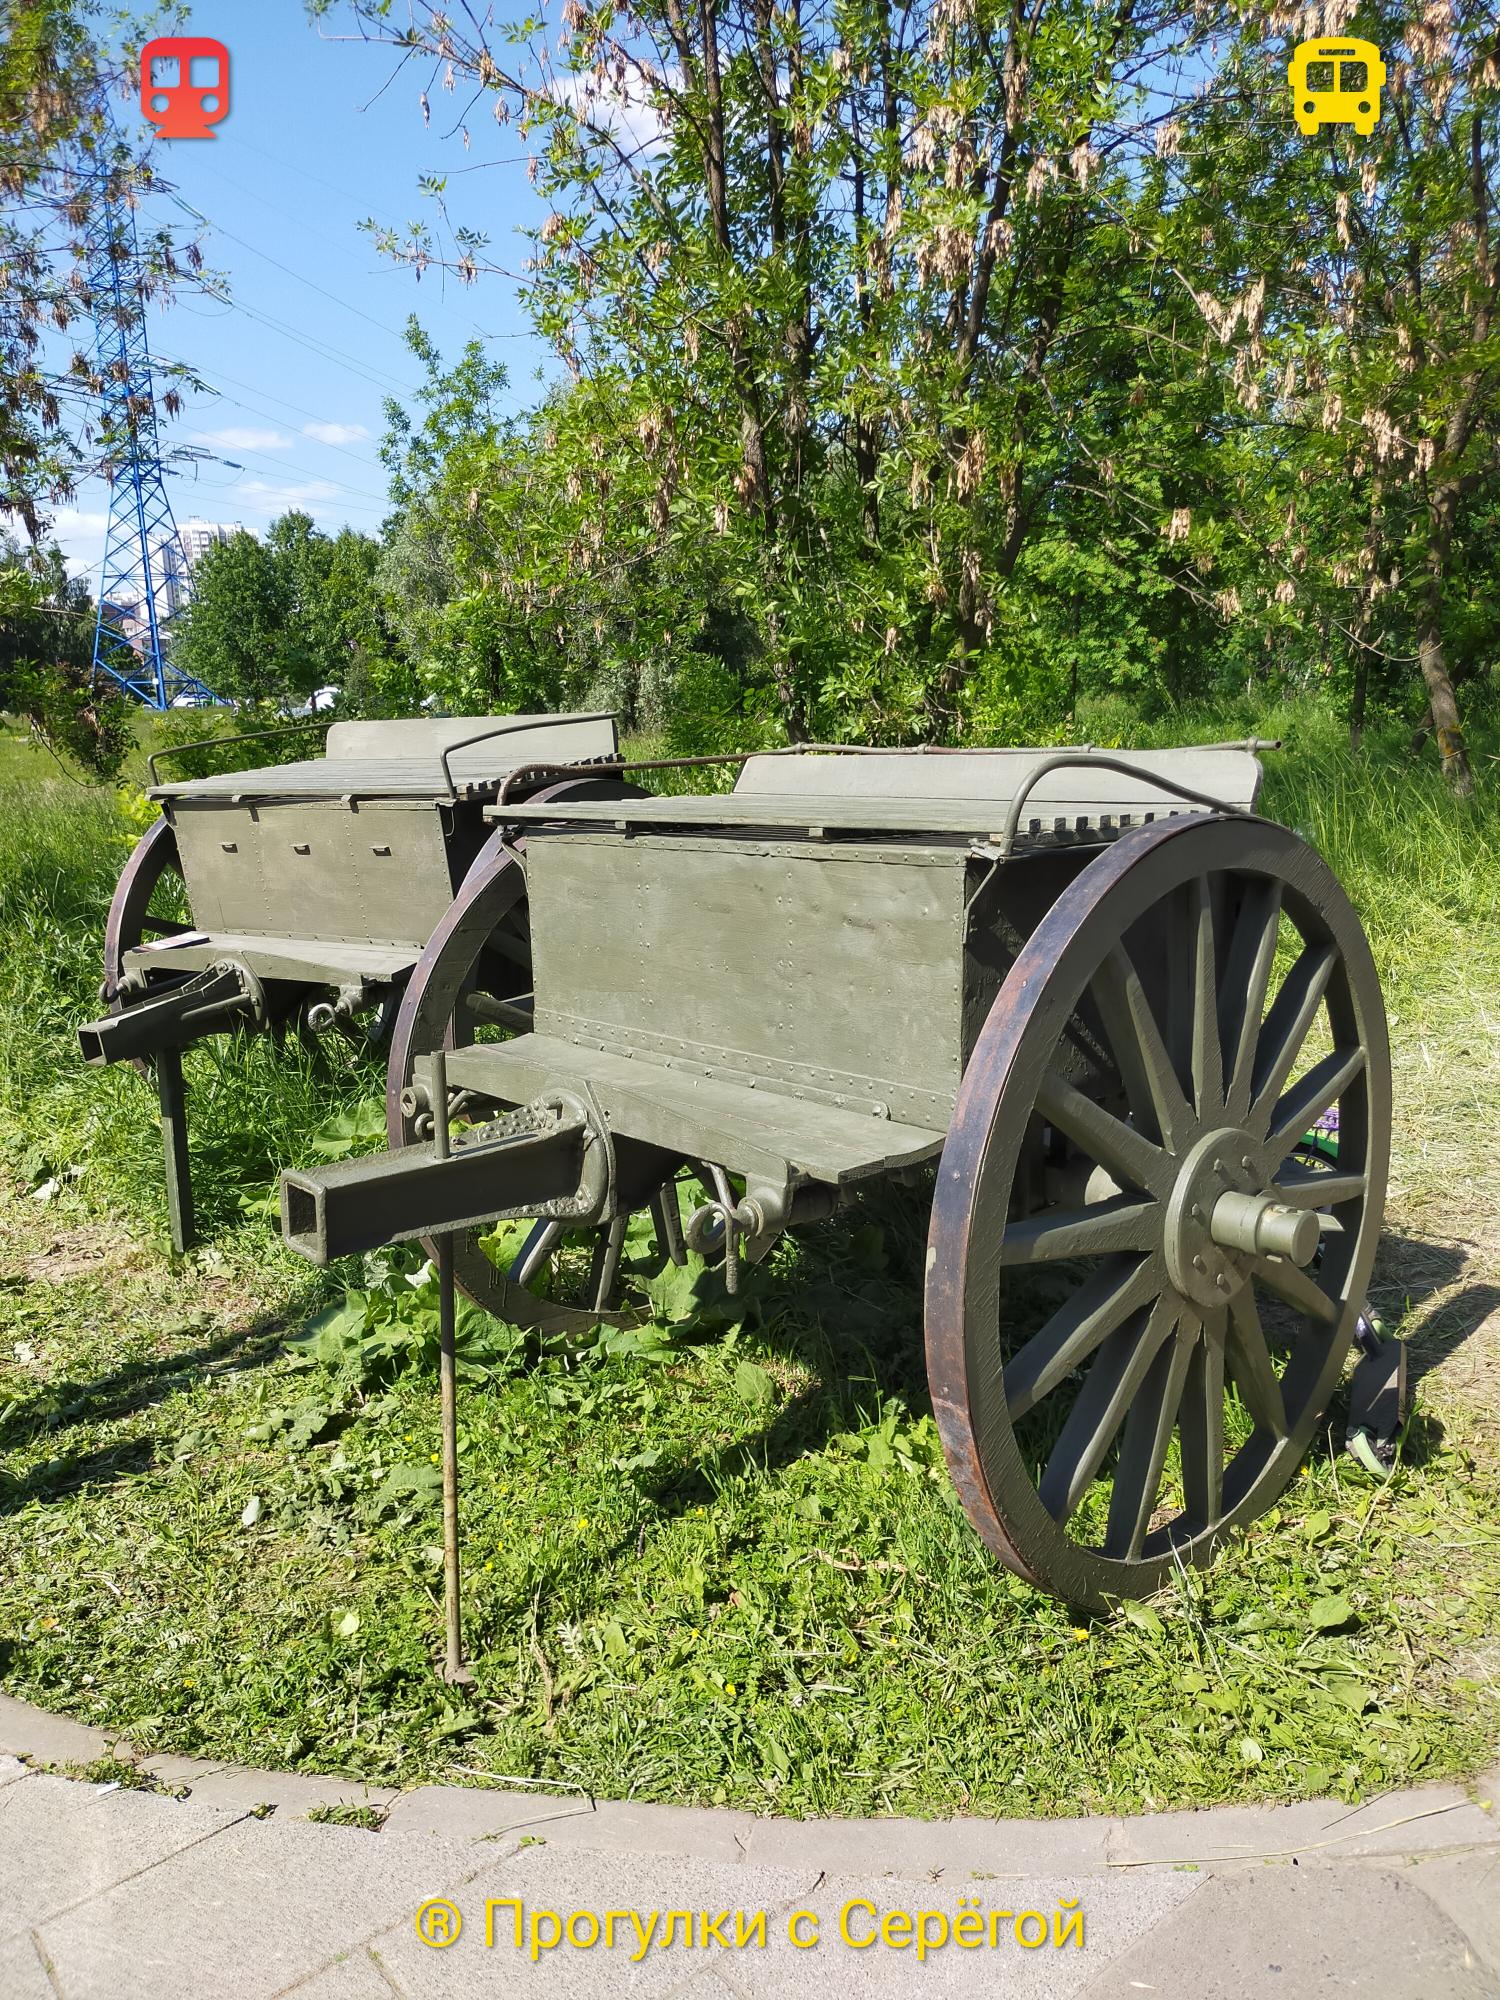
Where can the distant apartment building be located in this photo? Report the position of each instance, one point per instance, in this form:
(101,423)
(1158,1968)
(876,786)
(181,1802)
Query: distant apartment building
(172,566)
(199,536)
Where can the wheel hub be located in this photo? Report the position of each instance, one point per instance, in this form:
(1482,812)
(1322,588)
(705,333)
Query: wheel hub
(1220,1216)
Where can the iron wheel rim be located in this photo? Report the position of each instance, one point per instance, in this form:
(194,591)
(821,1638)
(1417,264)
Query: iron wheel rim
(973,1239)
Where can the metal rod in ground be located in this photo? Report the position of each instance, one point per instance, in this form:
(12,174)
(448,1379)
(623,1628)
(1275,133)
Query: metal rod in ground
(454,1667)
(174,1143)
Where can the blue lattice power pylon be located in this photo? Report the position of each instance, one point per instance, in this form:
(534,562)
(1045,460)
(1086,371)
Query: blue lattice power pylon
(145,576)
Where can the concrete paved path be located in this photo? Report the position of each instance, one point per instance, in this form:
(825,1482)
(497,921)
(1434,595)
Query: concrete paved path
(117,1894)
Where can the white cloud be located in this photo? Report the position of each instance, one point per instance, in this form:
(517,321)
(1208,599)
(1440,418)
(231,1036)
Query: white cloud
(243,437)
(624,107)
(335,433)
(78,532)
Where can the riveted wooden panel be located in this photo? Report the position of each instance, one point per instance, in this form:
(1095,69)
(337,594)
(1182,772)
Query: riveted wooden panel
(837,969)
(316,867)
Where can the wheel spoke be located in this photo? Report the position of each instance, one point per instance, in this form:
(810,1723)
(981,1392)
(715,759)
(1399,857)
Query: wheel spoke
(1247,973)
(1200,1427)
(1296,1288)
(1305,1187)
(1308,1099)
(1110,1387)
(1208,1063)
(534,1252)
(510,944)
(517,1013)
(1147,1069)
(1122,1223)
(1292,1014)
(1143,1450)
(1070,1336)
(1249,1363)
(1105,1138)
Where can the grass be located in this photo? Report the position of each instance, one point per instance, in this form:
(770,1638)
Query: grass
(719,1561)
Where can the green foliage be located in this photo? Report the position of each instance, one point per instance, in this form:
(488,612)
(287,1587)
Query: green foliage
(46,660)
(59,62)
(928,384)
(280,617)
(707,1558)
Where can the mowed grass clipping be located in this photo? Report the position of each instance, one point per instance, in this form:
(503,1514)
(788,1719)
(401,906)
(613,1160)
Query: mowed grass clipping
(719,1559)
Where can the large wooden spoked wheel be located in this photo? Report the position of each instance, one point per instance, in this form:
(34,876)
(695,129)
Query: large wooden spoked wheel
(1125,1375)
(471,984)
(150,901)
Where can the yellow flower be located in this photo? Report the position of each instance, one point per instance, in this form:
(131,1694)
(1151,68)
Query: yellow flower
(730,1689)
(432,1458)
(1079,1633)
(583,1520)
(410,1436)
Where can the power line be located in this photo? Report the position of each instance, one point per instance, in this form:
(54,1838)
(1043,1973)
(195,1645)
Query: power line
(298,409)
(322,290)
(390,386)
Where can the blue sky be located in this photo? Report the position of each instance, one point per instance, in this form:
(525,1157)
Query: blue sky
(311,346)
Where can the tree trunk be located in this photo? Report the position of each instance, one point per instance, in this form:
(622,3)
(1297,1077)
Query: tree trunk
(1441,514)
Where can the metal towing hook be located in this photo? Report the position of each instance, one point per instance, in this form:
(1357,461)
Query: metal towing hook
(735,1230)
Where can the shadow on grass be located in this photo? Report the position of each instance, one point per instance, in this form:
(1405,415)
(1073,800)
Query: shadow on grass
(143,1384)
(860,1337)
(55,1478)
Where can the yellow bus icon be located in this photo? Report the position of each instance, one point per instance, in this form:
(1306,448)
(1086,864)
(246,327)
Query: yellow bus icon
(1336,81)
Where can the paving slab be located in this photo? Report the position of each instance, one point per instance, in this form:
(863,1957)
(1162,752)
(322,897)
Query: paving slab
(241,1787)
(1317,1830)
(356,1977)
(1116,1914)
(50,1739)
(933,1850)
(22,1974)
(62,1842)
(248,1913)
(1466,1888)
(12,1768)
(548,1878)
(708,1985)
(1360,1932)
(607,1826)
(181,1773)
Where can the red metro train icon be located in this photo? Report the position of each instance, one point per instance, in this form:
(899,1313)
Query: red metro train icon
(200,96)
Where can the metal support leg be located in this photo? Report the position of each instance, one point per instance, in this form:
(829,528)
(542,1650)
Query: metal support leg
(605,1269)
(454,1669)
(667,1217)
(174,1140)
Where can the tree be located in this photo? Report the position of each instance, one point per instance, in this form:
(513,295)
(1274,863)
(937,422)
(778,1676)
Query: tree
(274,619)
(817,274)
(46,659)
(59,152)
(1349,289)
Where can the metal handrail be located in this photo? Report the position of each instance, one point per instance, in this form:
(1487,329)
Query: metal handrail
(1087,760)
(249,736)
(1086,754)
(511,727)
